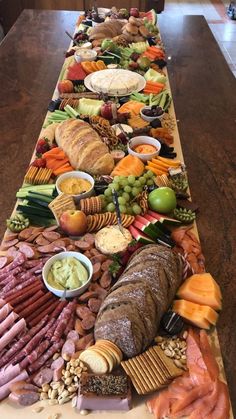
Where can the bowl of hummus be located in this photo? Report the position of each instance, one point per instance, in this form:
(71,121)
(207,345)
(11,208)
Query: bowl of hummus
(78,184)
(70,271)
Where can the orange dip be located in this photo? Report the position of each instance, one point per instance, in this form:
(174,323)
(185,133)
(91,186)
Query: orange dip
(145,149)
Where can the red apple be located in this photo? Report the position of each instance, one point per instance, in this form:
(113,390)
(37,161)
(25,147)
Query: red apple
(65,86)
(109,110)
(134,12)
(73,222)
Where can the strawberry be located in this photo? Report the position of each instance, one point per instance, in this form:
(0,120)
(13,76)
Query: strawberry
(42,146)
(39,163)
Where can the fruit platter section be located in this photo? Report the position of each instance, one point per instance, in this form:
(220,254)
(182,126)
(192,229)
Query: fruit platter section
(106,308)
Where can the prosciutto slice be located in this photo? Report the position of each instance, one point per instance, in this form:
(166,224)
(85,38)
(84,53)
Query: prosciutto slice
(8,373)
(4,311)
(8,322)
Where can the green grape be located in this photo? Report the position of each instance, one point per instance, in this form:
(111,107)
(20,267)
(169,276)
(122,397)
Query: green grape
(109,198)
(124,183)
(136,209)
(115,186)
(108,192)
(129,211)
(127,189)
(142,180)
(110,207)
(135,191)
(121,200)
(121,178)
(137,183)
(122,209)
(149,174)
(131,179)
(116,179)
(150,182)
(126,196)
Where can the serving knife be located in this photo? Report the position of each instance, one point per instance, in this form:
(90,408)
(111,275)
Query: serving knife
(116,203)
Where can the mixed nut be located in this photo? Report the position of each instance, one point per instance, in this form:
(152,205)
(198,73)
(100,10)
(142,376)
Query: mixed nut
(60,392)
(175,348)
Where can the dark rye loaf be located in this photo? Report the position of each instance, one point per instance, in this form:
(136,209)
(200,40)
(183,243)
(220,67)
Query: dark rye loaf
(131,313)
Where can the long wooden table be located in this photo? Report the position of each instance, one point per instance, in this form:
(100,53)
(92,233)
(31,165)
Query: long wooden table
(204,92)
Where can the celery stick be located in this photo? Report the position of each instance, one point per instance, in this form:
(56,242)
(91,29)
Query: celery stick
(71,112)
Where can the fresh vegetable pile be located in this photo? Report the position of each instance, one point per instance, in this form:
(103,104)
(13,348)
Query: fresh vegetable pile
(145,298)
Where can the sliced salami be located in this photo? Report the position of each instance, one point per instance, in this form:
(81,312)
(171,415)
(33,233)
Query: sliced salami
(105,280)
(51,235)
(57,367)
(4,260)
(83,245)
(68,349)
(7,244)
(28,250)
(87,295)
(96,271)
(43,377)
(47,355)
(24,397)
(94,304)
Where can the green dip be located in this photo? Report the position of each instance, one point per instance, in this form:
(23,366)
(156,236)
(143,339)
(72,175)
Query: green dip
(67,273)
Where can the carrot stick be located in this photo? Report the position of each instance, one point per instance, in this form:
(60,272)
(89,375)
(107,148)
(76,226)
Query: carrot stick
(63,169)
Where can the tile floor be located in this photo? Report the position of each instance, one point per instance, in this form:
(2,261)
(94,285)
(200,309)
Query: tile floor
(214,11)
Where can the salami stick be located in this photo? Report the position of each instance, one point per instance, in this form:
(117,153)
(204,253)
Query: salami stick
(19,307)
(47,308)
(58,309)
(35,354)
(21,286)
(17,296)
(19,260)
(47,355)
(63,320)
(30,309)
(22,342)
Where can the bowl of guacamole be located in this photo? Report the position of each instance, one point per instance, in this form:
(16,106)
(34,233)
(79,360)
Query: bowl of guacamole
(67,270)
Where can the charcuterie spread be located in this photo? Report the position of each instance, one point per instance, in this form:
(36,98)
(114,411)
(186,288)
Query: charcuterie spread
(104,294)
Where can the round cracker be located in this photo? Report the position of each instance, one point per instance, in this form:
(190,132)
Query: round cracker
(96,362)
(110,351)
(106,355)
(117,352)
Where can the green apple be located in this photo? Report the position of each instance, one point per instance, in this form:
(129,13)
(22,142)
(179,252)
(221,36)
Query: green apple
(162,200)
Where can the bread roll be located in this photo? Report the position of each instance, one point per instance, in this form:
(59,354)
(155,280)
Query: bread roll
(84,148)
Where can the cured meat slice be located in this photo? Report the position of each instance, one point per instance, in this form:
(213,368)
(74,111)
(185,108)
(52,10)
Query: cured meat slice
(21,286)
(43,377)
(30,309)
(47,355)
(28,250)
(11,285)
(5,389)
(82,311)
(4,260)
(51,235)
(8,373)
(8,322)
(19,307)
(6,244)
(57,367)
(22,342)
(32,343)
(70,325)
(24,397)
(4,311)
(68,349)
(67,312)
(35,354)
(19,260)
(82,342)
(21,294)
(15,330)
(20,385)
(58,309)
(46,310)
(94,304)
(73,335)
(13,272)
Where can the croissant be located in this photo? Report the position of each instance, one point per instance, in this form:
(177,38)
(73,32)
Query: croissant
(84,148)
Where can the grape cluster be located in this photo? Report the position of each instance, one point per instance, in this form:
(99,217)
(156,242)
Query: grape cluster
(127,188)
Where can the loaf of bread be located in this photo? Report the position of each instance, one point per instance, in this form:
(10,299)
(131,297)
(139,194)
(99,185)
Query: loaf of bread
(107,30)
(84,148)
(130,315)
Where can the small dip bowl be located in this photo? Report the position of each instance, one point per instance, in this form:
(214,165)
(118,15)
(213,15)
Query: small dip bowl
(150,118)
(84,54)
(76,174)
(144,140)
(76,291)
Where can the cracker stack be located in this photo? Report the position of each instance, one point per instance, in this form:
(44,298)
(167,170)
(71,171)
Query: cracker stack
(91,205)
(37,175)
(102,357)
(61,204)
(98,221)
(150,371)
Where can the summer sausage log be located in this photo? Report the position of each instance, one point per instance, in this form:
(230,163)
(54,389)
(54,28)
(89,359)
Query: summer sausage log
(47,355)
(23,397)
(17,346)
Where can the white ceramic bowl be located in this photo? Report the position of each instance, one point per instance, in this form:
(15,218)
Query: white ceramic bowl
(84,54)
(143,139)
(78,174)
(69,293)
(150,118)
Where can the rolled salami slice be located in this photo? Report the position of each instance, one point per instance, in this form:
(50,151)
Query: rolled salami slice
(58,309)
(2,303)
(19,260)
(21,342)
(13,272)
(47,355)
(15,330)
(8,373)
(8,322)
(5,389)
(4,260)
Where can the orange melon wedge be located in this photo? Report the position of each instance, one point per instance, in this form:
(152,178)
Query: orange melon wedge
(200,315)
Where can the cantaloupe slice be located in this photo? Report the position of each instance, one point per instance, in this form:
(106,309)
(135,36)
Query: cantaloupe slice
(129,165)
(200,315)
(201,289)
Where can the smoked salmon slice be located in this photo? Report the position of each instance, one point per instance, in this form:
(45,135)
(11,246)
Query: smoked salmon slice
(209,359)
